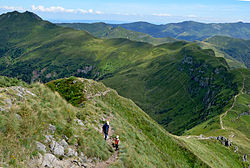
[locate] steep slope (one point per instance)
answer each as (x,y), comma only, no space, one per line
(190,30)
(33,118)
(107,31)
(178,84)
(234,123)
(235,50)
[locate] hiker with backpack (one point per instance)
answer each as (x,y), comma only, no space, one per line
(105,129)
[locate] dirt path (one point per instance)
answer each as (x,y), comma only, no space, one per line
(235,98)
(112,158)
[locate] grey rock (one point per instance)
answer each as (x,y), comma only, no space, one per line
(236,149)
(40,146)
(56,148)
(2,109)
(244,158)
(18,117)
(9,102)
(65,137)
(63,143)
(79,122)
(52,128)
(49,160)
(48,138)
(71,152)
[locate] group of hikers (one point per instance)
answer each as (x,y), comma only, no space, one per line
(105,129)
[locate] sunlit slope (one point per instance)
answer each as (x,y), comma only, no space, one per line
(107,31)
(234,123)
(178,84)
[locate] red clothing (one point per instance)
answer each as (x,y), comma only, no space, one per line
(117,141)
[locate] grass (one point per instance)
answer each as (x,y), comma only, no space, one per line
(235,123)
(102,30)
(144,143)
(177,94)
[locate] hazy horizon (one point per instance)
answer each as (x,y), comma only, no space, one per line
(153,11)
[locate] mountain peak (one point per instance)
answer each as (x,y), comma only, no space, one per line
(18,15)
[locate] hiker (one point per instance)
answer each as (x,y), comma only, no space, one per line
(105,129)
(116,142)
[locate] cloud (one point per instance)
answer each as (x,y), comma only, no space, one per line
(244,0)
(56,9)
(12,8)
(98,12)
(162,14)
(192,16)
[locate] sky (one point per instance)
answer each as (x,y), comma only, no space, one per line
(153,11)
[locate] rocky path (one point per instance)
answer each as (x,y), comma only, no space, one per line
(235,98)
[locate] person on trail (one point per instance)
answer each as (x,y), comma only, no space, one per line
(116,142)
(105,129)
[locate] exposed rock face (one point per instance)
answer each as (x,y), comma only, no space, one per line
(40,146)
(56,148)
(224,140)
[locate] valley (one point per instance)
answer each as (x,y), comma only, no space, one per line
(174,103)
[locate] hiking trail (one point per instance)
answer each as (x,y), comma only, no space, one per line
(113,158)
(235,98)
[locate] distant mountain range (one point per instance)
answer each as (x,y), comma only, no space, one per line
(187,30)
(107,31)
(182,86)
(167,81)
(236,51)
(190,30)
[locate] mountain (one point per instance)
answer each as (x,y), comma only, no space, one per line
(190,30)
(178,84)
(40,128)
(107,31)
(235,50)
(234,122)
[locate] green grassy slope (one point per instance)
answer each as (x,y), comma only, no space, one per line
(179,89)
(233,63)
(107,31)
(233,49)
(142,145)
(190,30)
(178,84)
(236,122)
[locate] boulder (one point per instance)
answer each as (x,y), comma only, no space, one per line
(40,146)
(63,143)
(56,148)
(49,161)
